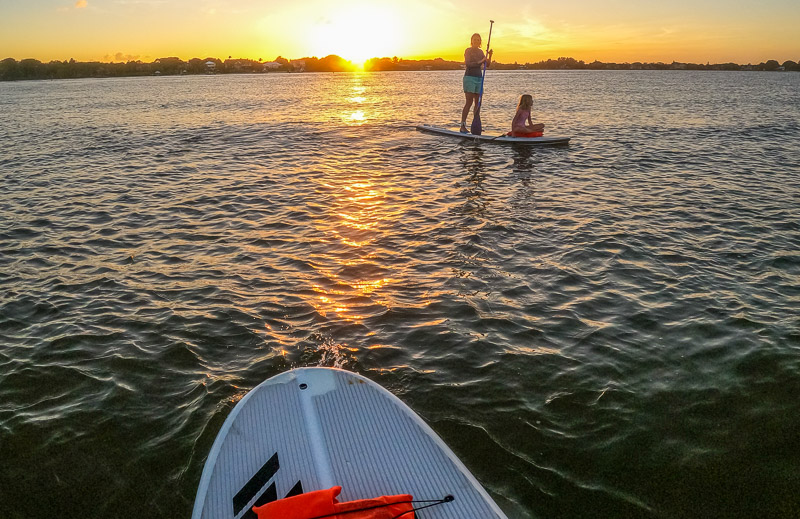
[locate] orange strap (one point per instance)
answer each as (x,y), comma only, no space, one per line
(323,503)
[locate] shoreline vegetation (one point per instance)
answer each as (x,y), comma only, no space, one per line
(26,69)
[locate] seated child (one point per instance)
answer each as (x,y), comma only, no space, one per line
(522,126)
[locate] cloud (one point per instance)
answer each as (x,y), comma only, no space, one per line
(120,57)
(80,4)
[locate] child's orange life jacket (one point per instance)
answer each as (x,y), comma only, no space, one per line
(525,134)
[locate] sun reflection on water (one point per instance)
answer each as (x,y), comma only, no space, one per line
(356,96)
(358,116)
(350,284)
(358,216)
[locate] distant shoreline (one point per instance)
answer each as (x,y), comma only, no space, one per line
(31,69)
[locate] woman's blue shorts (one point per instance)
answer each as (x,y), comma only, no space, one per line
(472,85)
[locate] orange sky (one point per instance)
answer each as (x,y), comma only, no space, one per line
(606,30)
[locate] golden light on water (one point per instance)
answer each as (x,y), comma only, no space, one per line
(352,221)
(367,287)
(358,216)
(358,116)
(357,213)
(328,303)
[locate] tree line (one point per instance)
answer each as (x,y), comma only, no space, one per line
(573,64)
(11,69)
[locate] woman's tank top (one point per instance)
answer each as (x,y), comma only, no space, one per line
(473,54)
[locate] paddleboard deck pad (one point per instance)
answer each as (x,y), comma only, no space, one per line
(501,139)
(315,428)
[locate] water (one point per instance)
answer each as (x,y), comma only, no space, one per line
(604,330)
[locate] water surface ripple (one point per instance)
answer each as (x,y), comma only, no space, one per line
(608,329)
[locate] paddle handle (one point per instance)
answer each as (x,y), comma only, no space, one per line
(483,74)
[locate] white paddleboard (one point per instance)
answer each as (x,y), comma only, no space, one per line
(314,428)
(500,139)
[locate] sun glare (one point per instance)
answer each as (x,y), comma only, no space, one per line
(358,34)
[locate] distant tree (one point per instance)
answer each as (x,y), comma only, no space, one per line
(8,69)
(55,69)
(135,68)
(196,66)
(789,65)
(30,69)
(170,65)
(331,63)
(571,63)
(380,64)
(771,65)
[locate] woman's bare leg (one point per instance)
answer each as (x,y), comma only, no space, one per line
(467,106)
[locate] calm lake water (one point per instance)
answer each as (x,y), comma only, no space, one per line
(609,329)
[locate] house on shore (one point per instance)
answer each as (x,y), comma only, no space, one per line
(240,65)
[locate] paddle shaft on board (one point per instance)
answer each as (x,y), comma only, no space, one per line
(483,75)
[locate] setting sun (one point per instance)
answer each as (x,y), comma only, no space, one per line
(358,33)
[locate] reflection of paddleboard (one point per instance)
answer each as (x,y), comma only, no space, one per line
(314,428)
(504,139)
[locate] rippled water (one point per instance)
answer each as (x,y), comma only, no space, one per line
(608,329)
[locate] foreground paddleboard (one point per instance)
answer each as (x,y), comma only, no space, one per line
(315,428)
(501,139)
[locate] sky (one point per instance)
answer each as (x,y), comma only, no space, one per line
(696,31)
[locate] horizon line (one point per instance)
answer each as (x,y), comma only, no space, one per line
(138,59)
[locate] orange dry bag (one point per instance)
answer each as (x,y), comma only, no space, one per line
(323,503)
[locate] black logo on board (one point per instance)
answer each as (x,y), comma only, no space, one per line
(256,484)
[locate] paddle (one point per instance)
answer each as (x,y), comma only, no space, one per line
(475,128)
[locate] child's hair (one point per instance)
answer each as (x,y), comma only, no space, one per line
(525,102)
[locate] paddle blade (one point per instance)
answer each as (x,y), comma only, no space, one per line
(475,128)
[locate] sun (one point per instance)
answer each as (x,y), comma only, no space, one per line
(358,33)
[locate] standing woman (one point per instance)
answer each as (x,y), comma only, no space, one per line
(473,61)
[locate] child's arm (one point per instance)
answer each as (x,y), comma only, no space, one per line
(518,123)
